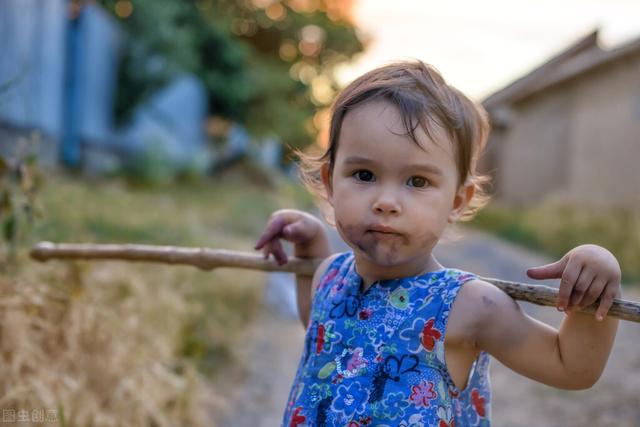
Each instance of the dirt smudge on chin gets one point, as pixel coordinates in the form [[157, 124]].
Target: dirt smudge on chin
[[358, 236], [368, 242]]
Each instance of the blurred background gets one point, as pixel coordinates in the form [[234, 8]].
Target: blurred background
[[174, 122]]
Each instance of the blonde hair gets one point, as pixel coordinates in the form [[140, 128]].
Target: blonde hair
[[424, 99]]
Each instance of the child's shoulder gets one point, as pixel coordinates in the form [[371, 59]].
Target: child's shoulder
[[478, 290], [334, 262], [479, 304]]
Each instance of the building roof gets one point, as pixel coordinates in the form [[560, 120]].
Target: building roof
[[583, 56]]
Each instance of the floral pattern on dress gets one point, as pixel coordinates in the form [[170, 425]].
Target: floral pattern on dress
[[422, 394], [376, 358]]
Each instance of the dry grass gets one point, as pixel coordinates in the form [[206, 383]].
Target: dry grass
[[113, 344], [90, 343]]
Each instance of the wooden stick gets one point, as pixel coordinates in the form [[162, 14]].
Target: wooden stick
[[208, 259], [203, 258]]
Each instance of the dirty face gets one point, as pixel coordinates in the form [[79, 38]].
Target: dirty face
[[392, 198], [382, 246]]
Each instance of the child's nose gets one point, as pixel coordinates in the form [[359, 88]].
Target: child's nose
[[387, 204]]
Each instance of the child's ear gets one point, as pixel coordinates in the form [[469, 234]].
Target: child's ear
[[461, 201], [326, 180]]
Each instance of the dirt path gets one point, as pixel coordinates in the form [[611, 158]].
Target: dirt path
[[275, 345]]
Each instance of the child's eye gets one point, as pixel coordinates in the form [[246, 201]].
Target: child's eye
[[363, 175], [418, 181]]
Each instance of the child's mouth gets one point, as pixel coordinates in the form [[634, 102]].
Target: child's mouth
[[384, 234], [383, 230]]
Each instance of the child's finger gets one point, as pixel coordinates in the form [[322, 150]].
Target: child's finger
[[548, 271], [266, 250], [569, 277], [269, 248], [297, 232], [278, 252], [593, 293], [273, 228], [581, 287], [606, 301]]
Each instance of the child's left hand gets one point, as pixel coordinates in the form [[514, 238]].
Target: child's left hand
[[587, 272]]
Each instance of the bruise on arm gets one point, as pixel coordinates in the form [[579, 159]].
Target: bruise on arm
[[470, 311], [488, 302], [483, 307], [496, 308]]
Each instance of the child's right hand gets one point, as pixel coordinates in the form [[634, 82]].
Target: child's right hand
[[300, 228]]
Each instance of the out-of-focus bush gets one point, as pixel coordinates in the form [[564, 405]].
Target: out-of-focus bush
[[268, 65], [20, 180], [150, 167]]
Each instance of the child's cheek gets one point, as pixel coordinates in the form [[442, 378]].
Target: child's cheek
[[427, 241], [352, 234]]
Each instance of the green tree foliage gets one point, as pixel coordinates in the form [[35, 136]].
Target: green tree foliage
[[268, 64], [167, 37]]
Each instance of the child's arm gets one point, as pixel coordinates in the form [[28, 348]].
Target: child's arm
[[310, 241], [570, 358]]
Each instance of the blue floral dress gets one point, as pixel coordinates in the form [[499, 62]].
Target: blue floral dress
[[376, 358]]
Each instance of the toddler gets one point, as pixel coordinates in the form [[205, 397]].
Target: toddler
[[393, 338]]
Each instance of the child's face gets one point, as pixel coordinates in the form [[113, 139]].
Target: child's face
[[392, 198]]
